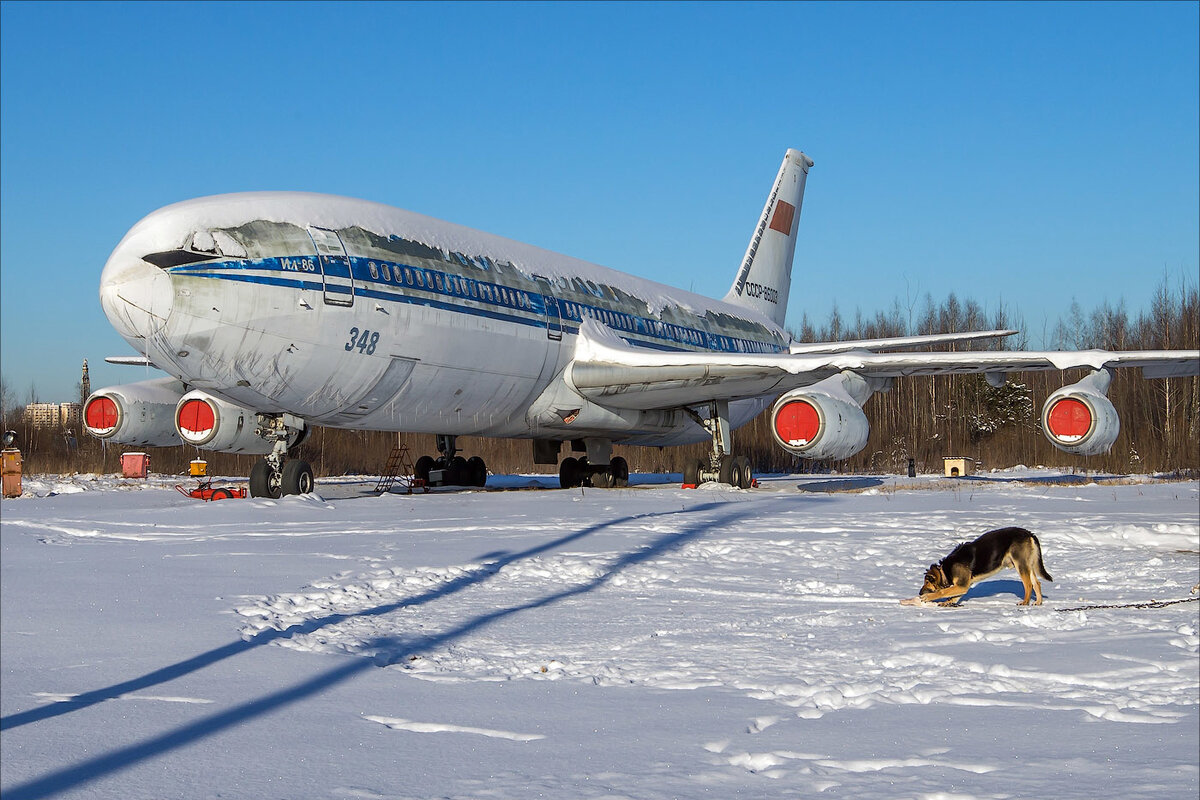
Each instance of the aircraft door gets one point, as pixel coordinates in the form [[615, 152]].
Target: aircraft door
[[336, 275], [552, 311]]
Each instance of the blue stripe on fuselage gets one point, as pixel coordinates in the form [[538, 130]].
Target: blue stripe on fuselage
[[426, 287]]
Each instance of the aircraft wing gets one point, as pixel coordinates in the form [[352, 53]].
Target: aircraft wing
[[612, 372]]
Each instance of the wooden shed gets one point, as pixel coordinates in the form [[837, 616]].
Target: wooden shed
[[958, 466]]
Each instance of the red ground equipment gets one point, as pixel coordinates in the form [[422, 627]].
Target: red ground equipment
[[205, 490]]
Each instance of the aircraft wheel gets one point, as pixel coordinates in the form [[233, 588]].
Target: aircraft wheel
[[726, 473], [619, 468], [422, 467], [264, 482], [601, 480], [476, 471], [691, 471], [569, 473], [297, 477], [745, 473], [458, 472]]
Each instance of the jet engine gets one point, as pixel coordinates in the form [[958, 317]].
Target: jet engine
[[141, 414], [825, 420], [211, 423], [1080, 419]]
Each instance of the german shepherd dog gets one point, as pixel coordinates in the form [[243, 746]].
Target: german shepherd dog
[[970, 562]]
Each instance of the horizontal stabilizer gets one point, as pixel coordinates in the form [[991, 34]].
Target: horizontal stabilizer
[[131, 361]]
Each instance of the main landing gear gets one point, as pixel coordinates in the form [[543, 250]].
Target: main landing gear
[[721, 466], [277, 475], [599, 468], [450, 469]]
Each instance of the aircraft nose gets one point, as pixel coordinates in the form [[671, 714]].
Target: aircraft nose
[[136, 296]]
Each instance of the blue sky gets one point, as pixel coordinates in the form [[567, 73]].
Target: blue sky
[[1022, 154]]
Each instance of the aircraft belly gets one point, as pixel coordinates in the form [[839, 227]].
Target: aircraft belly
[[688, 432]]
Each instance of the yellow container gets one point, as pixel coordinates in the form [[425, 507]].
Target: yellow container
[[199, 468]]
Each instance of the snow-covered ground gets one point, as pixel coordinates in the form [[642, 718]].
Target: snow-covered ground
[[649, 642]]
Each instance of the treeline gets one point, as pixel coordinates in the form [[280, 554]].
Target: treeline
[[925, 419]]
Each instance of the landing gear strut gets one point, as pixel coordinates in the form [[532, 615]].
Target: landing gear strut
[[277, 475], [450, 469], [599, 468], [722, 466]]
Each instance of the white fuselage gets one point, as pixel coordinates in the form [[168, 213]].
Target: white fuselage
[[353, 314]]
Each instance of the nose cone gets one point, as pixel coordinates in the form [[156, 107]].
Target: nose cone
[[136, 296]]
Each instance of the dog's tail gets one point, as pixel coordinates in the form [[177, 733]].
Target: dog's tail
[[1041, 565]]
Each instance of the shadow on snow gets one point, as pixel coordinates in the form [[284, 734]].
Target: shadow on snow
[[100, 766]]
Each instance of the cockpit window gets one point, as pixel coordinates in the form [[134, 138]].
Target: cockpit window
[[174, 258], [199, 247], [228, 246]]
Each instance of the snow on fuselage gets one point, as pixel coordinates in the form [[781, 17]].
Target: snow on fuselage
[[355, 314]]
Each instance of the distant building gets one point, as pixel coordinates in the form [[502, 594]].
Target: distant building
[[54, 415]]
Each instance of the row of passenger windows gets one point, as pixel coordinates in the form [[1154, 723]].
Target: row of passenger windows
[[433, 280], [449, 284]]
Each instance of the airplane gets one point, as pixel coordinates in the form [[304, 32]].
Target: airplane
[[273, 312]]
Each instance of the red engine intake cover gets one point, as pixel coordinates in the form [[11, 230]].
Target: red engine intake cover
[[101, 415], [1069, 420], [196, 419], [797, 422]]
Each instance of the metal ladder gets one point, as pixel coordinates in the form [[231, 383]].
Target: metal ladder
[[399, 469]]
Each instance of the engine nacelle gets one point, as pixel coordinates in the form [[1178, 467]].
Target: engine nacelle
[[825, 420], [1080, 419], [211, 423], [141, 414]]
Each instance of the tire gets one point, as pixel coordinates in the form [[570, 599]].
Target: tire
[[457, 474], [476, 471], [691, 471], [220, 494], [727, 468], [263, 483], [422, 467], [746, 473], [620, 472], [568, 473], [297, 477]]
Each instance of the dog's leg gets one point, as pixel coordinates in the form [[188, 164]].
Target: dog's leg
[[1031, 583], [955, 591]]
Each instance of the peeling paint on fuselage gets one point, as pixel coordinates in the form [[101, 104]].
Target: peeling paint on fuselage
[[258, 331]]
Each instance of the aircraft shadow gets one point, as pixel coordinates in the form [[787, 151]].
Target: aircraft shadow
[[397, 647]]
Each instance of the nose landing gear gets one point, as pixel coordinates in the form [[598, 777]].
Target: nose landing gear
[[277, 475]]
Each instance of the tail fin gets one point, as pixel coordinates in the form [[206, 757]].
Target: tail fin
[[765, 278]]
